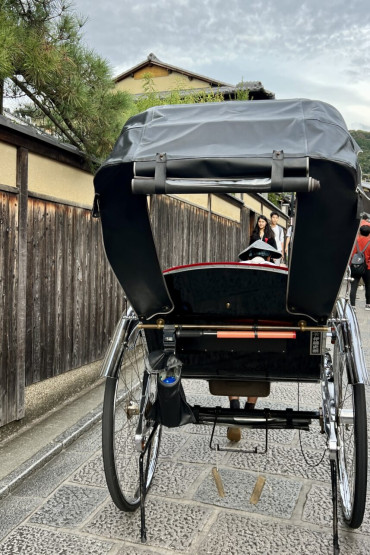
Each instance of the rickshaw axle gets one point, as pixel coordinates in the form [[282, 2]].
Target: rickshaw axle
[[256, 418]]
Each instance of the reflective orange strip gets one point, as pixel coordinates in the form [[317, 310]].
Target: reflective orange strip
[[256, 335]]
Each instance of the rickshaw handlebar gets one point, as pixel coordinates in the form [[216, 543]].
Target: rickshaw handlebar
[[274, 181], [148, 186]]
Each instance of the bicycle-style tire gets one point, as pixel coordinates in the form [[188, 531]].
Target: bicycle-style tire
[[126, 394], [352, 455]]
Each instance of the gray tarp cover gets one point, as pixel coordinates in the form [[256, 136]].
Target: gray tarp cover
[[207, 137], [237, 130]]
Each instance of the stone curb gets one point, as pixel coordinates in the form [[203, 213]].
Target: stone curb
[[47, 453]]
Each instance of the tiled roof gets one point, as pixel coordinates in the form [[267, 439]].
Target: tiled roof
[[153, 60]]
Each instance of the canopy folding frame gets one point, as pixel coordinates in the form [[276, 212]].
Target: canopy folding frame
[[239, 146]]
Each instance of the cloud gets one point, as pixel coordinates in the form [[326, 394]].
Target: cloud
[[189, 29], [359, 126], [314, 45]]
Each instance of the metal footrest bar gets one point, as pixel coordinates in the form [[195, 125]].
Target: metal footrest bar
[[254, 451], [255, 418]]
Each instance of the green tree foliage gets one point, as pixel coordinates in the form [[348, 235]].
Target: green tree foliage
[[178, 95], [65, 88], [362, 138]]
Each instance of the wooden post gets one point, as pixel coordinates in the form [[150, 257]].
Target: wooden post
[[1, 97], [244, 228], [209, 228], [22, 184]]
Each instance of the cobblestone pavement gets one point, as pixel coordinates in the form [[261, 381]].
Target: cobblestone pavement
[[64, 507]]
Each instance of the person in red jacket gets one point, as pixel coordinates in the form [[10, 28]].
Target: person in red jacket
[[363, 240]]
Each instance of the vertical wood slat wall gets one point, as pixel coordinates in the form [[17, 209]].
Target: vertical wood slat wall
[[185, 234], [72, 298]]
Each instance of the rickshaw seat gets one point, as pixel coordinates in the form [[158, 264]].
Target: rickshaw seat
[[234, 294], [227, 291]]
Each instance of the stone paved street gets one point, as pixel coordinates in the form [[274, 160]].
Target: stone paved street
[[64, 507]]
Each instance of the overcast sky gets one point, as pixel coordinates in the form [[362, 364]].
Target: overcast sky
[[312, 49]]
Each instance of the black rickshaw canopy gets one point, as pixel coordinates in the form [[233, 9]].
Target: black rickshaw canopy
[[247, 146]]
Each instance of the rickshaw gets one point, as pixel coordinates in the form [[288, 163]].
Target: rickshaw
[[238, 326]]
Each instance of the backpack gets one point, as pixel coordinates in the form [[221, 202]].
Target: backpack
[[358, 264]]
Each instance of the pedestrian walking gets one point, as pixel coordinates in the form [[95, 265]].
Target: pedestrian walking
[[360, 265], [279, 235], [263, 232]]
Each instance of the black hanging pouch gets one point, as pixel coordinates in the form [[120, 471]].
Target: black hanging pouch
[[170, 407]]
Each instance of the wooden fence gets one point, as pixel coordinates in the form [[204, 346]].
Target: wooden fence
[[71, 301], [73, 298], [64, 314], [185, 234], [59, 299]]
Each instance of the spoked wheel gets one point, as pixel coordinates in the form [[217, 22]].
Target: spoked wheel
[[126, 427], [352, 433]]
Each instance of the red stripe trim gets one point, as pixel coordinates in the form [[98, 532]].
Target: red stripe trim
[[221, 264]]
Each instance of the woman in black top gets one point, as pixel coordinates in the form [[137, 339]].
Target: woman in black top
[[263, 232]]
